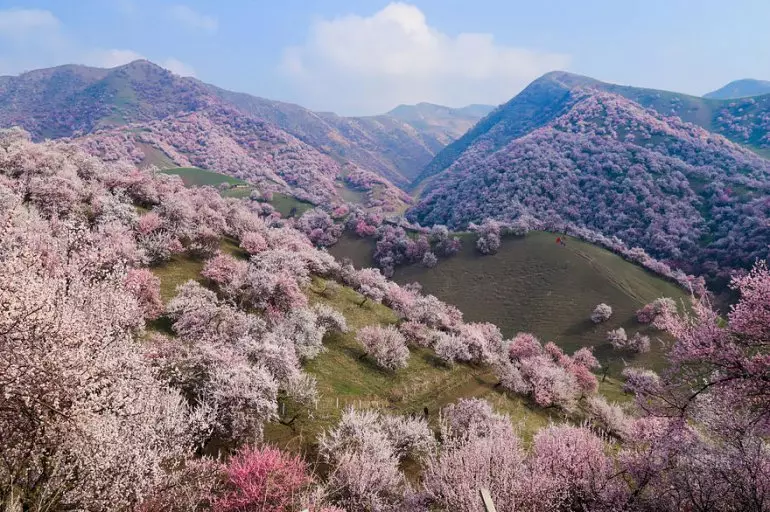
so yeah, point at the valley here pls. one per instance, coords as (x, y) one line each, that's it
(217, 302)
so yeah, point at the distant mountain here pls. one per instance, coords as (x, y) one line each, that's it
(394, 146)
(745, 121)
(741, 89)
(75, 101)
(565, 151)
(446, 123)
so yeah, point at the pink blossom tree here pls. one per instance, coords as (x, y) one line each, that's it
(385, 345)
(262, 479)
(145, 286)
(601, 313)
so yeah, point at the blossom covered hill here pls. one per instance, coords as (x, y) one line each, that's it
(223, 139)
(689, 197)
(69, 101)
(744, 121)
(117, 396)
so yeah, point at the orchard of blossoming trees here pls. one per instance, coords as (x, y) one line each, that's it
(99, 411)
(688, 197)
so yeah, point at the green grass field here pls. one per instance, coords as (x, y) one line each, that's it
(534, 285)
(195, 177)
(284, 204)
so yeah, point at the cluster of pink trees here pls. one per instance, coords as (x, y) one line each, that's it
(86, 422)
(746, 120)
(442, 243)
(222, 139)
(319, 227)
(380, 193)
(488, 241)
(620, 340)
(92, 417)
(695, 440)
(546, 373)
(656, 310)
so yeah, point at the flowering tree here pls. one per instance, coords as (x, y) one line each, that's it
(262, 479)
(253, 242)
(658, 308)
(145, 286)
(601, 313)
(385, 345)
(363, 455)
(319, 227)
(488, 241)
(618, 338)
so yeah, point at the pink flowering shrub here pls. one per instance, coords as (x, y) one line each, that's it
(262, 479)
(546, 373)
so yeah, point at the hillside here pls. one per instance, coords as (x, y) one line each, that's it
(744, 88)
(745, 121)
(69, 101)
(688, 197)
(394, 145)
(540, 287)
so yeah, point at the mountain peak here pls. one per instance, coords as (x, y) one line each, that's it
(743, 88)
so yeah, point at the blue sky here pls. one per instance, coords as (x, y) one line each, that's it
(364, 56)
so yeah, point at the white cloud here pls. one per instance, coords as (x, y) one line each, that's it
(20, 23)
(358, 65)
(178, 67)
(110, 58)
(193, 19)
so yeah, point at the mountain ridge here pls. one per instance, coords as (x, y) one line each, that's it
(743, 88)
(687, 196)
(75, 100)
(745, 121)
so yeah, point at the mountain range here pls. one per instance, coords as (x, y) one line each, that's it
(745, 121)
(681, 176)
(78, 101)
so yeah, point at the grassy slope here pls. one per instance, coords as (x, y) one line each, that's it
(346, 377)
(537, 286)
